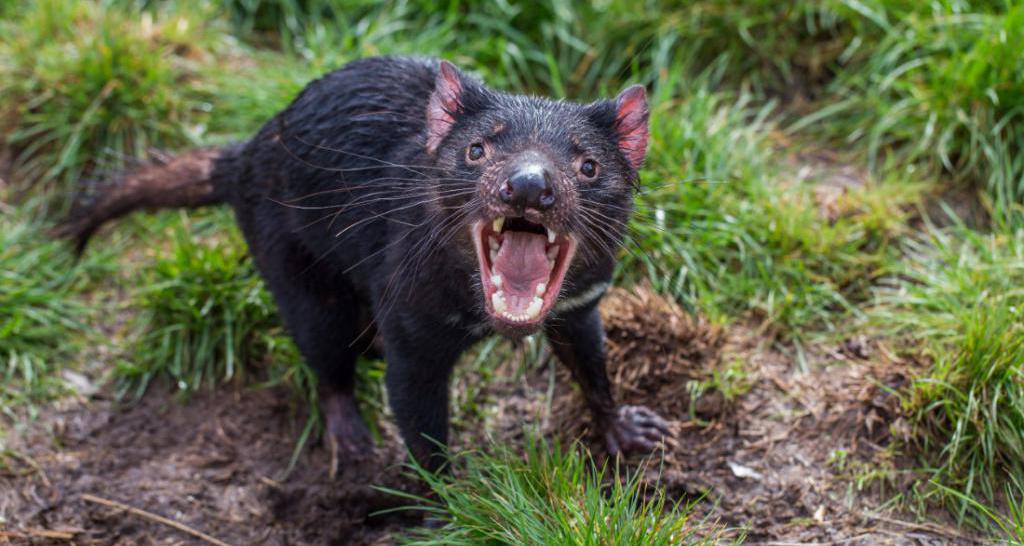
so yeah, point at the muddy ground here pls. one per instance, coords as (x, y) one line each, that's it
(771, 453)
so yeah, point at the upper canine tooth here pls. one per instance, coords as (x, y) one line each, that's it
(551, 236)
(498, 222)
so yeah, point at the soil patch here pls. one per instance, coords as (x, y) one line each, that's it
(214, 464)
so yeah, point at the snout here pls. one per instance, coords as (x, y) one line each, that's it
(529, 184)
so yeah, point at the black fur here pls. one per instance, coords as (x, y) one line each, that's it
(362, 233)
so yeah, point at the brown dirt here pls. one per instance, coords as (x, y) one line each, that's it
(214, 464)
(762, 453)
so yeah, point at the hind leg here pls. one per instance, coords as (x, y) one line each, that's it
(322, 315)
(325, 337)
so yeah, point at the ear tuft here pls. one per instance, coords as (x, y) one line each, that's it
(445, 103)
(631, 124)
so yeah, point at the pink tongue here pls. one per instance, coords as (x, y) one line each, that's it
(523, 264)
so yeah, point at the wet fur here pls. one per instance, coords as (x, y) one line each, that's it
(361, 232)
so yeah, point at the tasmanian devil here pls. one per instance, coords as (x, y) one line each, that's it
(400, 207)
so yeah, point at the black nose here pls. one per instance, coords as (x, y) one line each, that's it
(529, 187)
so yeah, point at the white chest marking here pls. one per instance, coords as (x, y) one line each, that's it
(588, 296)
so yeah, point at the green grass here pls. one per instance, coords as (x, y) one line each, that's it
(723, 226)
(43, 322)
(86, 85)
(1013, 524)
(543, 494)
(1009, 522)
(942, 90)
(207, 317)
(960, 302)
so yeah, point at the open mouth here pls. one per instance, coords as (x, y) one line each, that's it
(522, 266)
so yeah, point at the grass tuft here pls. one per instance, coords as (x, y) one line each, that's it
(961, 301)
(547, 495)
(87, 84)
(942, 89)
(42, 319)
(207, 314)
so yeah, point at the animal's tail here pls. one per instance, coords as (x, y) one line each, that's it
(185, 180)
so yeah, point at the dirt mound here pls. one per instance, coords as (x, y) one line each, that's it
(656, 352)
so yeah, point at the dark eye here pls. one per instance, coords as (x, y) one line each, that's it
(588, 168)
(475, 151)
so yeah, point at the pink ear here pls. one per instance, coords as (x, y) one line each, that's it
(631, 124)
(444, 104)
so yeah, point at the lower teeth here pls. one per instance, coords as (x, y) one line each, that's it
(531, 312)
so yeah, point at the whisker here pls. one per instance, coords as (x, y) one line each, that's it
(375, 216)
(361, 221)
(418, 257)
(627, 242)
(653, 222)
(363, 185)
(370, 158)
(434, 197)
(390, 195)
(645, 186)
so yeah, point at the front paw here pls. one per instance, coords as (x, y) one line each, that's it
(635, 429)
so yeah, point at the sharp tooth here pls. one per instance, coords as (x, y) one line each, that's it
(553, 253)
(496, 280)
(493, 242)
(551, 236)
(494, 255)
(498, 222)
(534, 309)
(498, 302)
(541, 288)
